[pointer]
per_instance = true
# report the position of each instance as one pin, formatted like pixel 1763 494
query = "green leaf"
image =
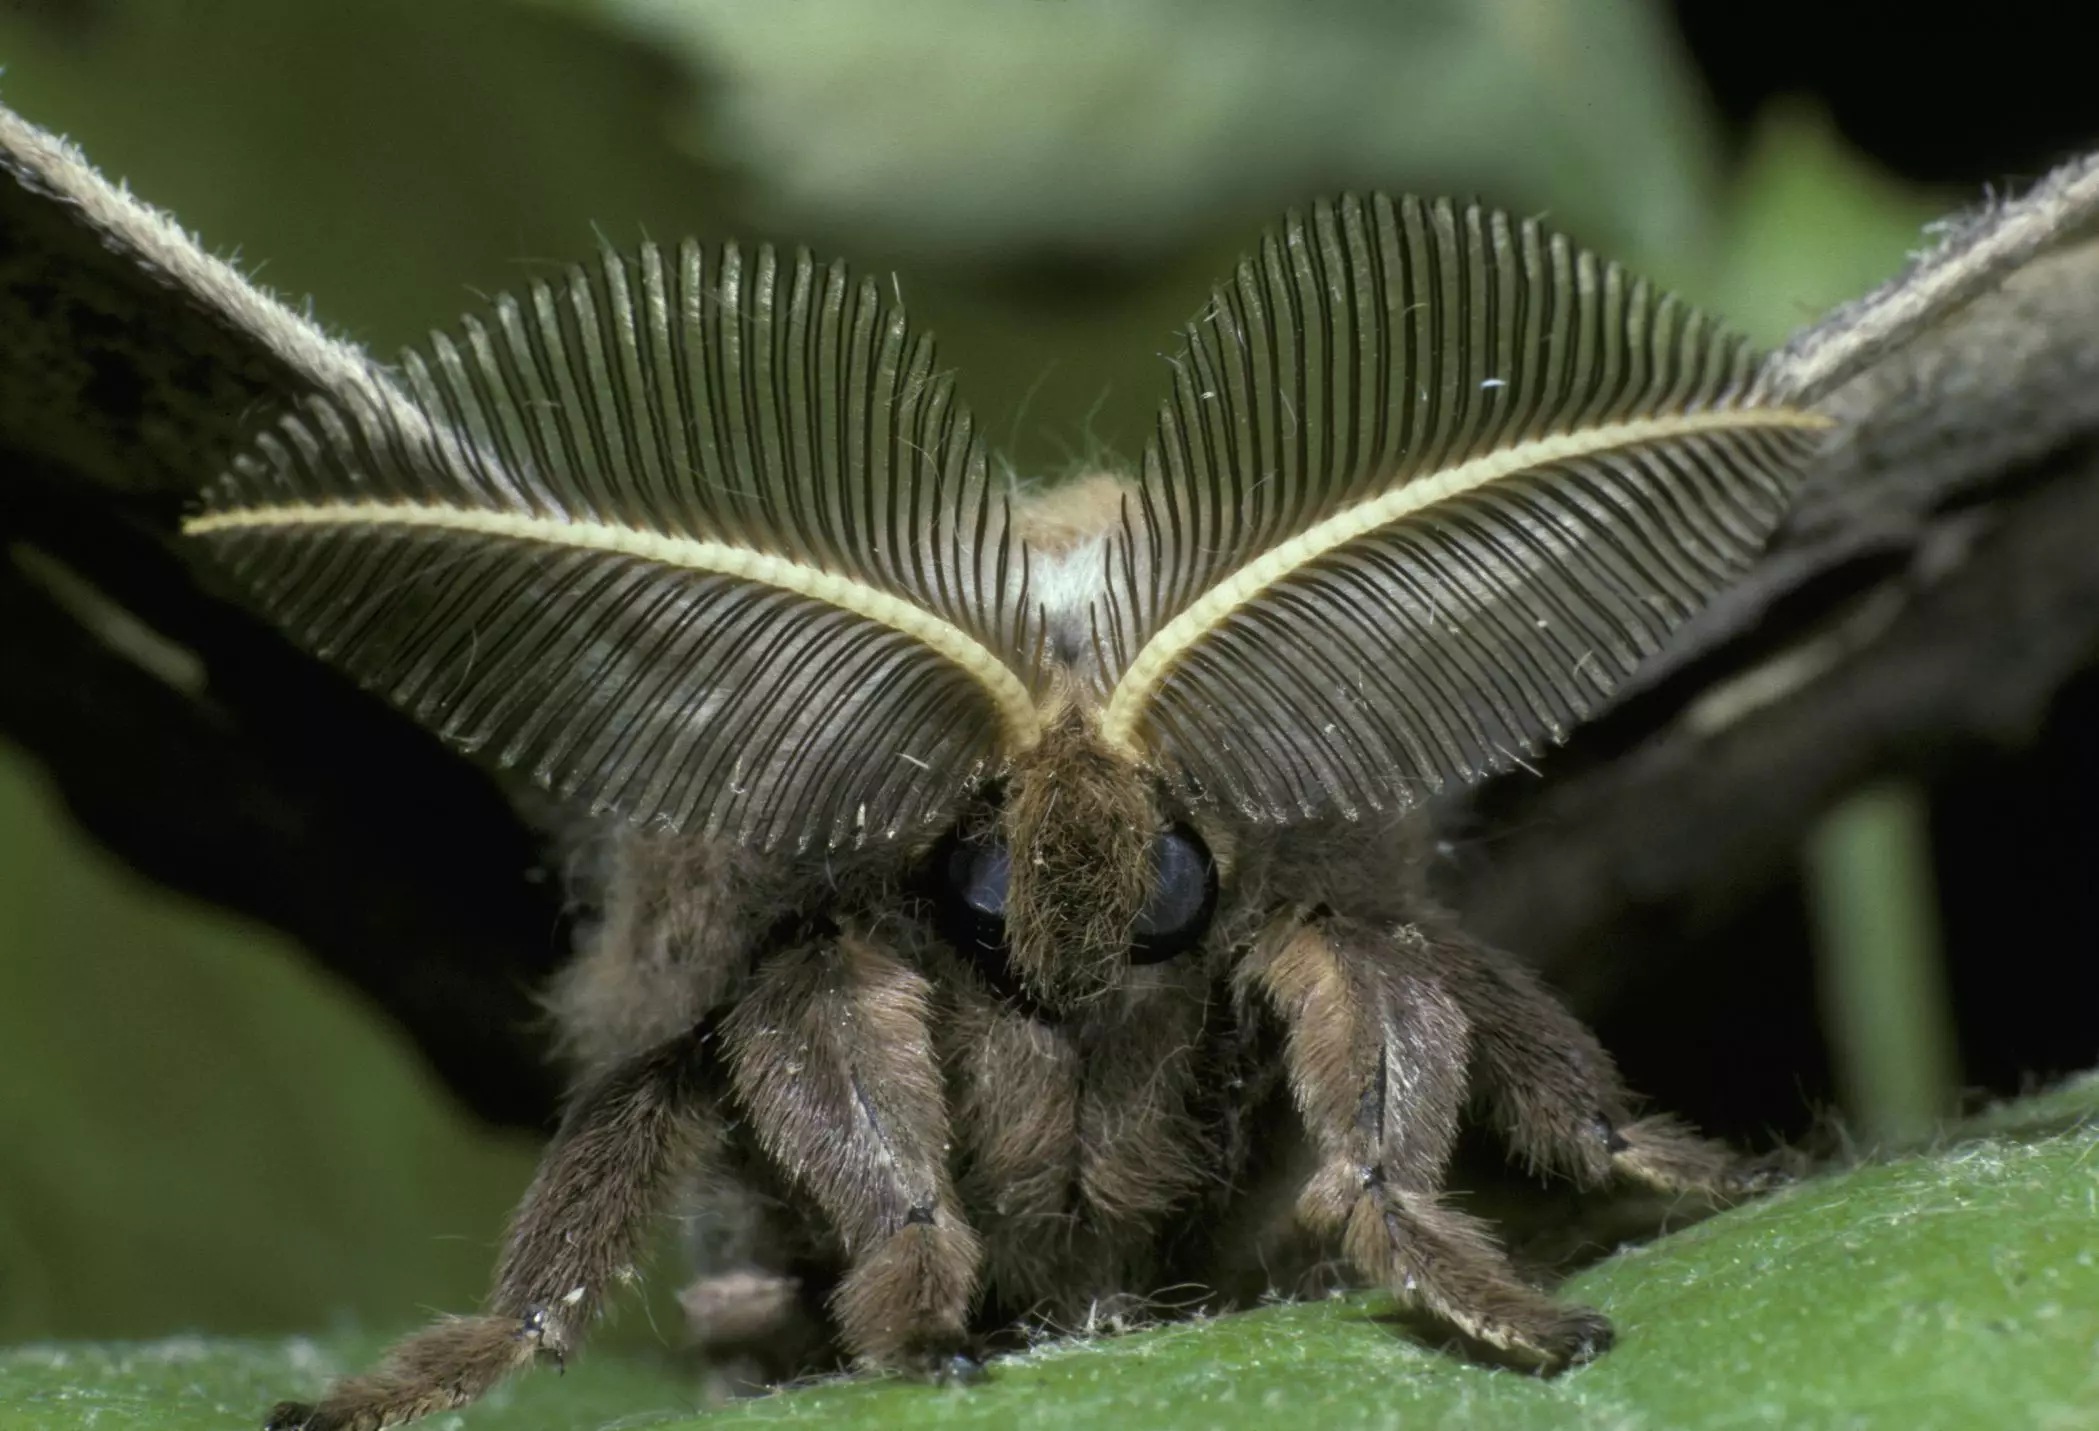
pixel 1951 1289
pixel 1813 222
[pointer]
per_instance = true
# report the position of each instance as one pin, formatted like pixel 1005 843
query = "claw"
pixel 1590 1335
pixel 290 1416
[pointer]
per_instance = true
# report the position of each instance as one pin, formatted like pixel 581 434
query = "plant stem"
pixel 1885 1009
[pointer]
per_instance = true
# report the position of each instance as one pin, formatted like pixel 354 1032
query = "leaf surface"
pixel 1949 1290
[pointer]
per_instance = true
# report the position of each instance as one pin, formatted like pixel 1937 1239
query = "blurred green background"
pixel 198 1131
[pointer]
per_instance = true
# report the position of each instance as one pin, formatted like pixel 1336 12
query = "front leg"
pixel 1376 1050
pixel 831 1055
pixel 625 1136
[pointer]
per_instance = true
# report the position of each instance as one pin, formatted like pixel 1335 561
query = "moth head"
pixel 1084 868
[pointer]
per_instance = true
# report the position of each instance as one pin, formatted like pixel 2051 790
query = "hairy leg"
pixel 830 1054
pixel 1078 1137
pixel 1376 1048
pixel 1554 1092
pixel 1016 1119
pixel 582 1222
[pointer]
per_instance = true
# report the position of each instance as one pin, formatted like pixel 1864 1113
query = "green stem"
pixel 1885 1009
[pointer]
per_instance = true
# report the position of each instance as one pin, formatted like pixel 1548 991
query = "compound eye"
pixel 978 874
pixel 1183 896
pixel 973 876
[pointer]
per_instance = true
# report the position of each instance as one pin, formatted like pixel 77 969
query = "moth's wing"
pixel 132 358
pixel 1430 483
pixel 181 732
pixel 698 538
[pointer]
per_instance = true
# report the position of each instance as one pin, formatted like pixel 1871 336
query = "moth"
pixel 991 857
pixel 1002 887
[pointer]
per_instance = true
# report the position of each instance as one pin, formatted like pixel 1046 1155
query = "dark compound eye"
pixel 974 876
pixel 1183 897
pixel 971 879
pixel 978 873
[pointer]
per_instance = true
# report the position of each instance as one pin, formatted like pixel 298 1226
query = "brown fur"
pixel 442 1367
pixel 679 925
pixel 612 1164
pixel 832 1056
pixel 885 1129
pixel 1377 1060
pixel 1078 819
pixel 1080 1138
